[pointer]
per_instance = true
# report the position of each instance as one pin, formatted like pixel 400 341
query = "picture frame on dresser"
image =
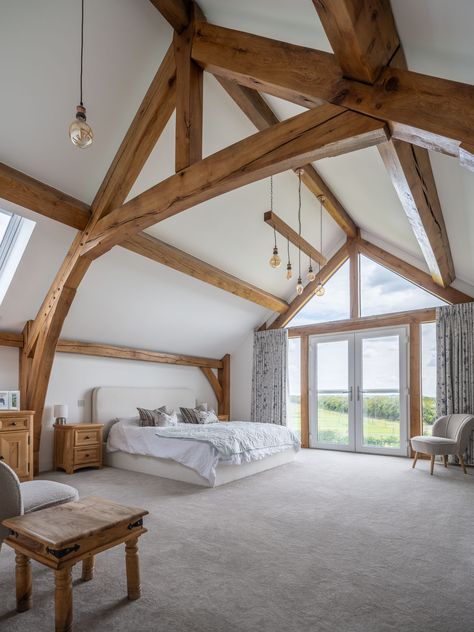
pixel 4 400
pixel 14 400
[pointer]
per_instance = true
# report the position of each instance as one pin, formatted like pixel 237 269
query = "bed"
pixel 191 457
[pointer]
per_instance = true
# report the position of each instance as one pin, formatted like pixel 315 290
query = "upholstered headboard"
pixel 109 402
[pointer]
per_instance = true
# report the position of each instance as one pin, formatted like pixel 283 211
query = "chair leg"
pixel 445 459
pixel 463 465
pixel 432 464
pixel 415 460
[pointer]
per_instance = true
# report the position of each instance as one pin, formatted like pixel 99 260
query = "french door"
pixel 358 391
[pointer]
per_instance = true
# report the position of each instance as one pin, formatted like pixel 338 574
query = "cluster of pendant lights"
pixel 275 260
pixel 80 131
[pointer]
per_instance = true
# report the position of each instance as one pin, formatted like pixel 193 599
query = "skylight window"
pixel 15 232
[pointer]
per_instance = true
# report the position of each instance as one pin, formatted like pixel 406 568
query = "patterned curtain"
pixel 269 381
pixel 455 362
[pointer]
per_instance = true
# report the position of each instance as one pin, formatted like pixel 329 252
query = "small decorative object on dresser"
pixel 60 413
pixel 16 441
pixel 14 400
pixel 4 396
pixel 77 446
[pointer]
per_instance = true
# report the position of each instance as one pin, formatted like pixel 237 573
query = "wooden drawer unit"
pixel 77 446
pixel 16 442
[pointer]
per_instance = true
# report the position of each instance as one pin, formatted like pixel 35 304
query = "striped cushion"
pixel 150 417
pixel 189 415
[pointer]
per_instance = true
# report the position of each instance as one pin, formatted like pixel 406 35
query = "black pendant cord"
pixel 299 223
pixel 82 49
pixel 271 208
pixel 288 248
pixel 320 230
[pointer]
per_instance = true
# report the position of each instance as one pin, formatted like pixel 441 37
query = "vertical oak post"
pixel 304 359
pixel 223 375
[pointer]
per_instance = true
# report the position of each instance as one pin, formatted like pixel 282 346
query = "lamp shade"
pixel 60 410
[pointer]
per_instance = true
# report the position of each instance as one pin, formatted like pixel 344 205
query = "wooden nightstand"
pixel 223 417
pixel 77 446
pixel 16 441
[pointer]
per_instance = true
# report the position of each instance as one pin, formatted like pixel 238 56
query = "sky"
pixel 382 292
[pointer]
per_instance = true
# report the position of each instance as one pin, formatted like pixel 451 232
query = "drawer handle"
pixel 2 458
pixel 87 437
pixel 87 456
pixel 14 423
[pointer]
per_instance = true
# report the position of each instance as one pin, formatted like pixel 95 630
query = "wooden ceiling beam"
pixel 176 12
pixel 287 232
pixel 192 266
pixel 427 111
pixel 326 272
pixel 362 35
pixel 21 189
pixel 318 133
pixel 364 38
pixel 189 93
pixel 254 106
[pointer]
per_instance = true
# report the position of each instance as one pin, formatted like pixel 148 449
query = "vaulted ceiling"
pixel 149 304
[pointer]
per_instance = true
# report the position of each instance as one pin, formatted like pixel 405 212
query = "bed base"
pixel 167 468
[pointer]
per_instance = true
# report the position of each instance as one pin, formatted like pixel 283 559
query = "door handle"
pixel 350 393
pixel 358 393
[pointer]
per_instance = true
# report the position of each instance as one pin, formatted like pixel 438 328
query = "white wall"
pixel 73 378
pixel 241 379
pixel 9 361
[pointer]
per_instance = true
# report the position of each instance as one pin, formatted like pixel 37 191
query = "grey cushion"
pixel 434 445
pixel 10 497
pixel 42 494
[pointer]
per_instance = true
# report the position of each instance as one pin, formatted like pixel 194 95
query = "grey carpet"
pixel 339 542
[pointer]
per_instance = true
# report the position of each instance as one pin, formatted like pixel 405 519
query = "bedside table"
pixel 223 417
pixel 77 446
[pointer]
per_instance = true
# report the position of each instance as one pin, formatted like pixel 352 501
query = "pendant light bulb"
pixel 289 271
pixel 299 287
pixel 275 260
pixel 311 276
pixel 80 131
pixel 320 291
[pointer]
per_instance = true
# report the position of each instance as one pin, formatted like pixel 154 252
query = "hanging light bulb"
pixel 80 131
pixel 310 276
pixel 275 260
pixel 289 271
pixel 299 286
pixel 320 291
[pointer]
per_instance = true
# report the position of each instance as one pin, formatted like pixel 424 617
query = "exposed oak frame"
pixel 287 232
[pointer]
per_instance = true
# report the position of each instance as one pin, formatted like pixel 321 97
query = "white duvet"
pixel 200 455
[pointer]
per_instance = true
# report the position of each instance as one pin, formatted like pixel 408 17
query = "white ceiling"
pixel 125 41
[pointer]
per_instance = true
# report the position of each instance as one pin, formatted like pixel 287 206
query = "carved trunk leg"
pixel 88 568
pixel 23 583
pixel 432 464
pixel 463 465
pixel 63 599
pixel 445 459
pixel 133 568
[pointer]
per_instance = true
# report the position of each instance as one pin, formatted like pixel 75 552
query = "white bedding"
pixel 199 455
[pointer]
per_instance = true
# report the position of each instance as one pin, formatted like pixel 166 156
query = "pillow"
pixel 208 417
pixel 189 415
pixel 168 418
pixel 150 417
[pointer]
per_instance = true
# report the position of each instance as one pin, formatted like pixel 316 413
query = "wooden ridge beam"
pixel 129 353
pixel 429 111
pixel 192 266
pixel 21 189
pixel 287 232
pixel 364 38
pixel 254 106
pixel 410 272
pixel 321 132
pixel 326 272
pixel 416 316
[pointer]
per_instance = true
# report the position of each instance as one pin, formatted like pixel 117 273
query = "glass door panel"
pixel 332 401
pixel 381 391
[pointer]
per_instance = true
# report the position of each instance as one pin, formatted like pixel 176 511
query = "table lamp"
pixel 60 412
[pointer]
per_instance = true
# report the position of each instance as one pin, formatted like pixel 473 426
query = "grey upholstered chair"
pixel 18 498
pixel 450 436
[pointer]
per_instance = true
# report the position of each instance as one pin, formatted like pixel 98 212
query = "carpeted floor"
pixel 334 542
